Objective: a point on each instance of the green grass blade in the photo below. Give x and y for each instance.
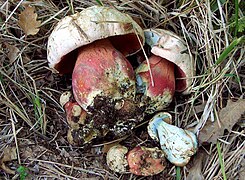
(99, 2)
(37, 106)
(214, 5)
(221, 161)
(71, 8)
(236, 17)
(178, 174)
(237, 78)
(38, 111)
(228, 50)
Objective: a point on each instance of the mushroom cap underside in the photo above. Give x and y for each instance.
(171, 47)
(91, 24)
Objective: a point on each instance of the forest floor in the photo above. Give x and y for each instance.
(33, 127)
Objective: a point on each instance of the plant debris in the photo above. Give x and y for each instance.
(9, 154)
(28, 21)
(228, 117)
(12, 52)
(195, 172)
(26, 76)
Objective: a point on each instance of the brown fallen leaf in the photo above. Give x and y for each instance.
(12, 53)
(228, 117)
(28, 21)
(195, 172)
(106, 147)
(241, 173)
(9, 154)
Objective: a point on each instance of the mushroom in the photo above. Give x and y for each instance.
(177, 144)
(91, 24)
(75, 115)
(140, 160)
(158, 95)
(171, 47)
(145, 161)
(92, 45)
(171, 69)
(116, 158)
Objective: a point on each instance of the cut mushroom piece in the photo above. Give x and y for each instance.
(75, 115)
(177, 144)
(145, 161)
(171, 47)
(159, 94)
(116, 158)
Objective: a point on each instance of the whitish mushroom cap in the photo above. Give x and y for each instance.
(171, 47)
(89, 25)
(65, 98)
(116, 158)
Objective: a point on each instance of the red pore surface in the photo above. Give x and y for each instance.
(180, 80)
(101, 70)
(163, 76)
(145, 161)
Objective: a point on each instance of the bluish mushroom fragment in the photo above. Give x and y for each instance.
(177, 144)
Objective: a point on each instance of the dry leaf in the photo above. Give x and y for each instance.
(106, 147)
(8, 155)
(28, 21)
(195, 172)
(241, 173)
(228, 117)
(12, 52)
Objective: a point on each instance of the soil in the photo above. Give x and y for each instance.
(105, 121)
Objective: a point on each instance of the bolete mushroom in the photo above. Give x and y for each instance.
(116, 159)
(177, 144)
(75, 115)
(145, 161)
(157, 94)
(171, 47)
(92, 45)
(140, 160)
(171, 69)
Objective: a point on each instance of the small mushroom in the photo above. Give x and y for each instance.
(171, 47)
(160, 94)
(116, 158)
(75, 115)
(145, 161)
(92, 45)
(177, 144)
